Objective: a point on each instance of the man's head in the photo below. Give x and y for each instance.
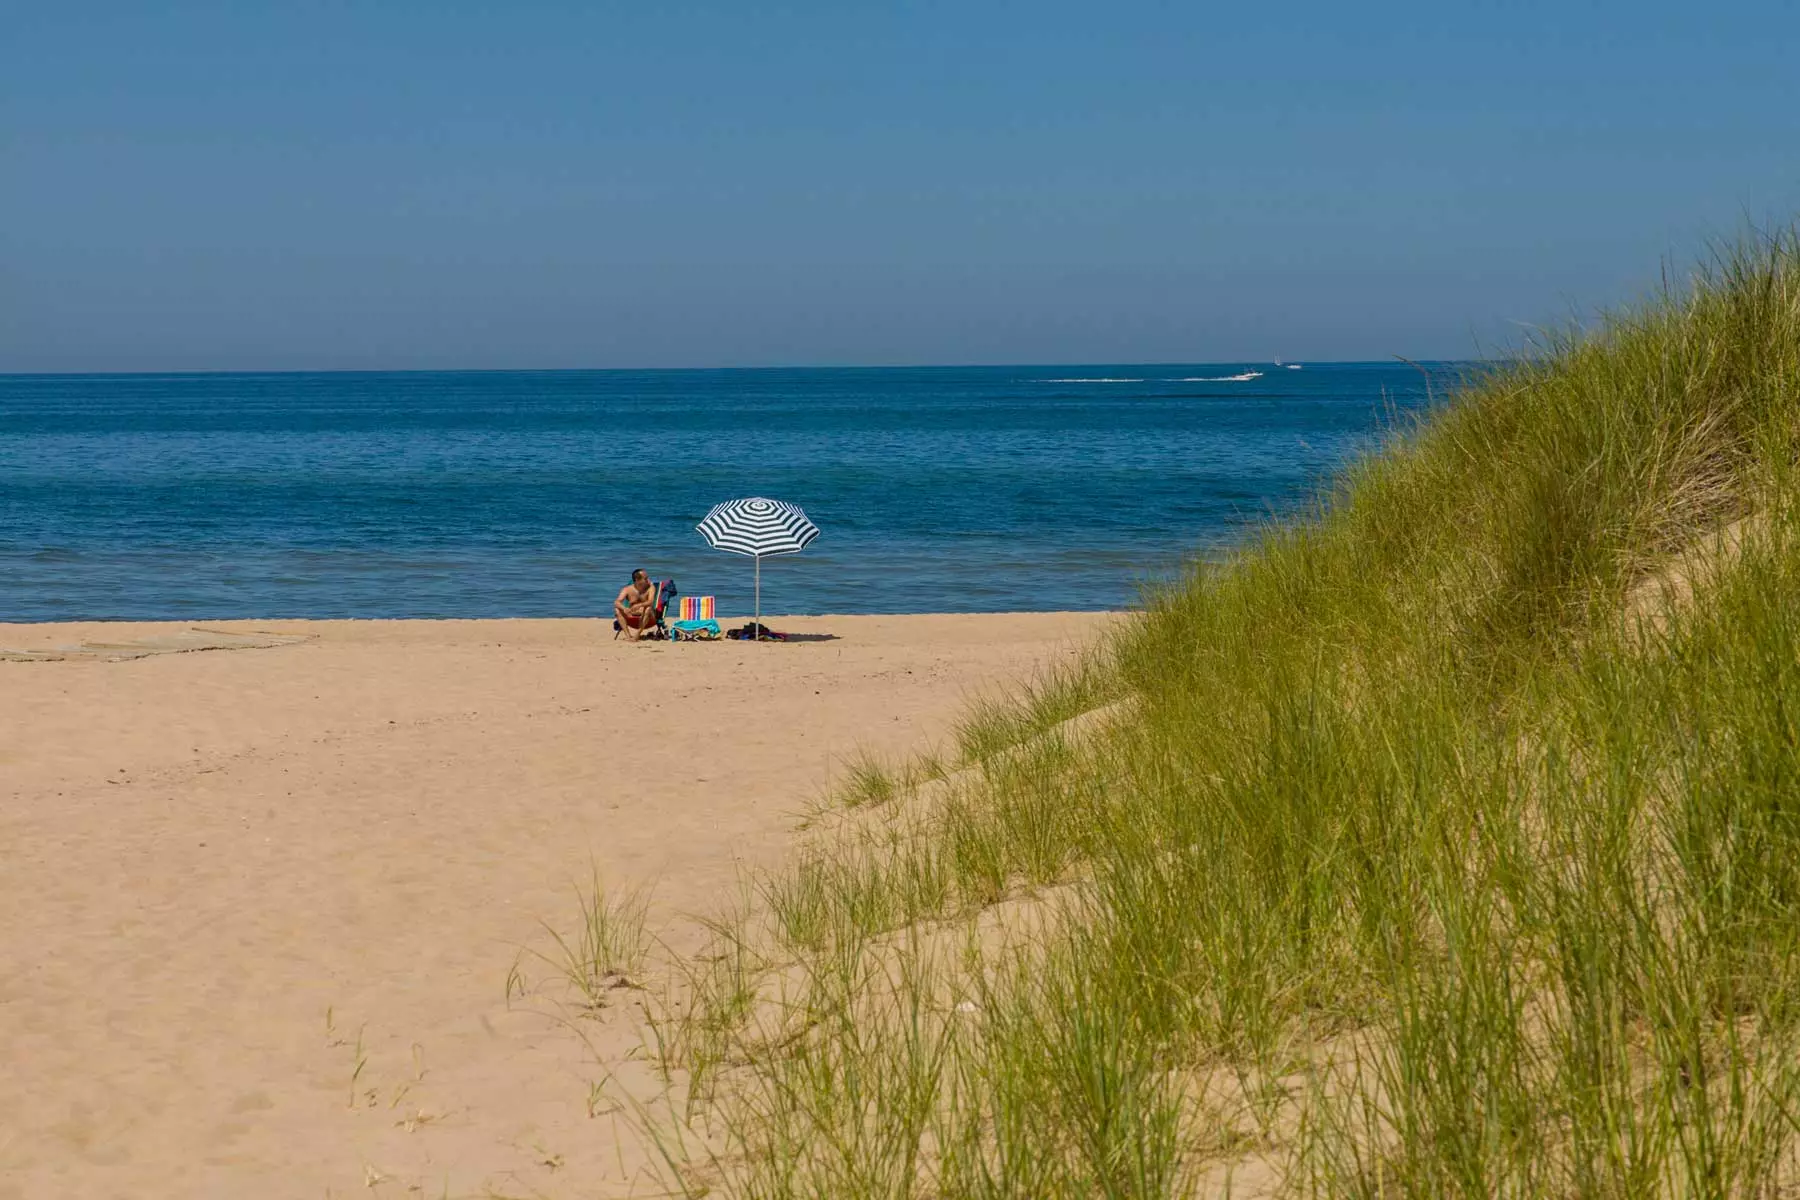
(639, 578)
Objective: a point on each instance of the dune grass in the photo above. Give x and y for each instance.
(1428, 858)
(606, 948)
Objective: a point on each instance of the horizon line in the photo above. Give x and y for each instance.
(1220, 362)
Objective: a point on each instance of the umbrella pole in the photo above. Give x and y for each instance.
(756, 625)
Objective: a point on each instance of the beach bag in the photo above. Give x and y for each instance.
(752, 631)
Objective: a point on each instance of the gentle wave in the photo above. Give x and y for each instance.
(1090, 381)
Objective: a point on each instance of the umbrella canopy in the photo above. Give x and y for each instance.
(759, 528)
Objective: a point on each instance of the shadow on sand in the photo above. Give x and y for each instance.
(793, 637)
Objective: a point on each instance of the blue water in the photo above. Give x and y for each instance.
(476, 494)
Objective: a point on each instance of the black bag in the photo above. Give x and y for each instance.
(755, 631)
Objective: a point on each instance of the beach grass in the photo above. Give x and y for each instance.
(1444, 840)
(607, 946)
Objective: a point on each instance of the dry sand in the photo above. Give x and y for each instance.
(206, 853)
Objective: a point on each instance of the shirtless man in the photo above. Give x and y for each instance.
(635, 606)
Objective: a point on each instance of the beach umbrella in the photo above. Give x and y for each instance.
(759, 528)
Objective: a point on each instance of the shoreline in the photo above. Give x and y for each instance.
(116, 622)
(232, 873)
(23, 639)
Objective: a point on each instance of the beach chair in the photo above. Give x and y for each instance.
(695, 622)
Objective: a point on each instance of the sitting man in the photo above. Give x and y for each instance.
(638, 606)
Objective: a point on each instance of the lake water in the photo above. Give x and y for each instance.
(481, 494)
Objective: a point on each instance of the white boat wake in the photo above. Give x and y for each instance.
(1245, 377)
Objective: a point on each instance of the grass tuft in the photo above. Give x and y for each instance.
(608, 946)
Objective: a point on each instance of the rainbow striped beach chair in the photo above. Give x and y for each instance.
(696, 623)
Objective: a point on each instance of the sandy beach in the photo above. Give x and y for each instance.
(260, 904)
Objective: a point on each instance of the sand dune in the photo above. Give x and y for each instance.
(233, 876)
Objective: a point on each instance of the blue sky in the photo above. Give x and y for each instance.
(422, 185)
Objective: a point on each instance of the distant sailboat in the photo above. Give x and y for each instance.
(1289, 366)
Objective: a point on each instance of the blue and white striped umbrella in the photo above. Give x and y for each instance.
(759, 528)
